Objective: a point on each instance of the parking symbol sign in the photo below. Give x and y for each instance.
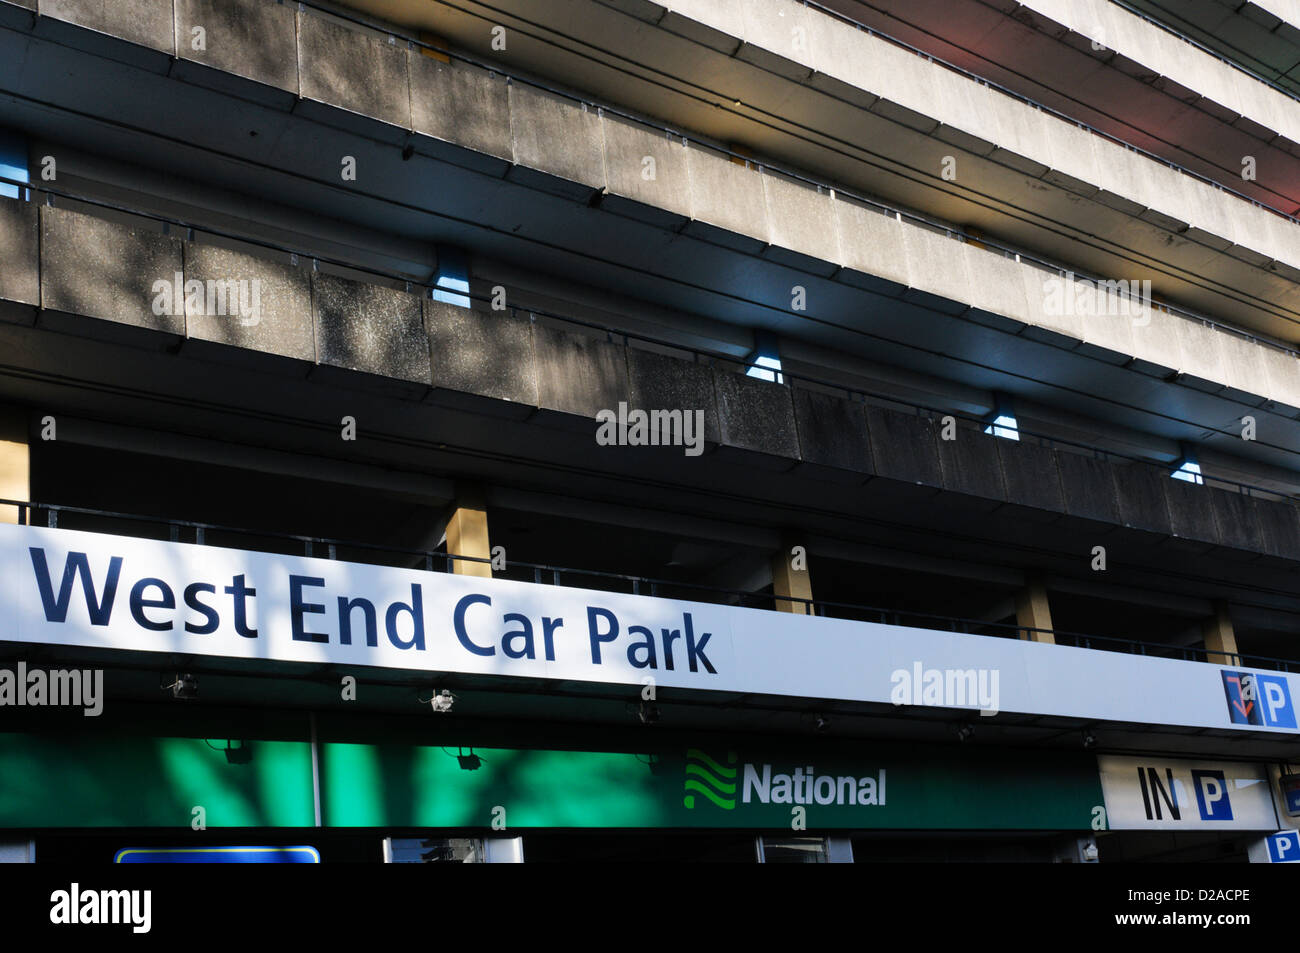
(1243, 708)
(1274, 698)
(1257, 699)
(1212, 795)
(1284, 847)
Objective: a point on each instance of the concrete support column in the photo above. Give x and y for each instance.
(467, 533)
(1220, 638)
(791, 580)
(1033, 611)
(15, 462)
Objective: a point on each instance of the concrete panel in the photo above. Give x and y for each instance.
(871, 243)
(970, 464)
(1199, 355)
(1237, 519)
(19, 251)
(488, 353)
(145, 22)
(1072, 156)
(755, 415)
(1140, 494)
(577, 374)
(1049, 298)
(461, 104)
(360, 72)
(1282, 373)
(1156, 343)
(1242, 362)
(556, 136)
(777, 37)
(832, 431)
(97, 268)
(1088, 487)
(281, 294)
(904, 446)
(714, 23)
(955, 102)
(1191, 511)
(660, 382)
(939, 265)
(250, 38)
(727, 195)
(627, 147)
(997, 289)
(1126, 174)
(1112, 332)
(369, 328)
(1279, 526)
(871, 64)
(1030, 474)
(999, 118)
(797, 216)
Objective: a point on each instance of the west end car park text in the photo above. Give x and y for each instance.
(152, 605)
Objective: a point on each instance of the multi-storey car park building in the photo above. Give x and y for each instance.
(700, 429)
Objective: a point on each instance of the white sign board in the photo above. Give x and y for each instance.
(1163, 794)
(64, 587)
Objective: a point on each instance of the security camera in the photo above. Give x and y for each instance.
(442, 701)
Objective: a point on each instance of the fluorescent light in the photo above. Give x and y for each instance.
(1190, 471)
(447, 288)
(766, 368)
(1005, 426)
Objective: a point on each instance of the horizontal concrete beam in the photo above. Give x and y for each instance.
(98, 272)
(472, 116)
(911, 89)
(1165, 55)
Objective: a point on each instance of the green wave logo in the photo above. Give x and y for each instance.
(708, 778)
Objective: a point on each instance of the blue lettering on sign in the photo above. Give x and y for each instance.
(1212, 795)
(56, 608)
(603, 629)
(516, 643)
(1284, 847)
(156, 605)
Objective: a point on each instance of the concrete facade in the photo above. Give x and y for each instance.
(752, 211)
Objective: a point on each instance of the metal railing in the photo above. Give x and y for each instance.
(33, 513)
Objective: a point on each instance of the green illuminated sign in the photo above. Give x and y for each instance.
(857, 786)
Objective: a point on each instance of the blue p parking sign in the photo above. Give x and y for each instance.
(1284, 847)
